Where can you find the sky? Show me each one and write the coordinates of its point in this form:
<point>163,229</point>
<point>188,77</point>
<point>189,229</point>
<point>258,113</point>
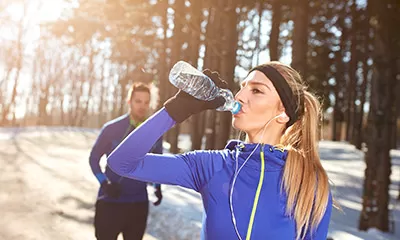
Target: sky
<point>43,10</point>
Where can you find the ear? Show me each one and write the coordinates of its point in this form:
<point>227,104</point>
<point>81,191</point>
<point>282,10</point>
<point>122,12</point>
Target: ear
<point>283,118</point>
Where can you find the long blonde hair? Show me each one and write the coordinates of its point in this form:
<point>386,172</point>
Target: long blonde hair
<point>304,179</point>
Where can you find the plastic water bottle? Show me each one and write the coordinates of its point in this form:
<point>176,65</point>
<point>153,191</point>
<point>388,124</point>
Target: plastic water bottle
<point>190,80</point>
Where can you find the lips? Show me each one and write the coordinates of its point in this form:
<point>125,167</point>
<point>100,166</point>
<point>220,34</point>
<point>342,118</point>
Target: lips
<point>239,113</point>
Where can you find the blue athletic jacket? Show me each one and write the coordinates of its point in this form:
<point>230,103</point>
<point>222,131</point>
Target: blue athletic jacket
<point>112,133</point>
<point>210,173</point>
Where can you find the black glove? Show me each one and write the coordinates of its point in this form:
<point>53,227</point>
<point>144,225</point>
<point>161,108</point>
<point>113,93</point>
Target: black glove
<point>111,189</point>
<point>182,105</point>
<point>158,194</point>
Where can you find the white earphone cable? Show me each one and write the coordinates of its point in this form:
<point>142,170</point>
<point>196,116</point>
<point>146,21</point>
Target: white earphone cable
<point>237,171</point>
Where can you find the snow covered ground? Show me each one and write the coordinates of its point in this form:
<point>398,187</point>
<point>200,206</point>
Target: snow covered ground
<point>48,190</point>
<point>345,167</point>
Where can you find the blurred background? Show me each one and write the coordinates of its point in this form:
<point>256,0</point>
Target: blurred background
<point>71,62</point>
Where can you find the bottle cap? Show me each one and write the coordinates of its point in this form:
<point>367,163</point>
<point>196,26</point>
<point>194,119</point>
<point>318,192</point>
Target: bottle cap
<point>236,107</point>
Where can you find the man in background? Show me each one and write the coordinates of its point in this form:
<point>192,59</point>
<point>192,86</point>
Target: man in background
<point>122,203</point>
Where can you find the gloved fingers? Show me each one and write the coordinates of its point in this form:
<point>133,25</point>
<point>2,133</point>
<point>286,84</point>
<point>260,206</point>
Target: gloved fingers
<point>156,203</point>
<point>207,72</point>
<point>216,78</point>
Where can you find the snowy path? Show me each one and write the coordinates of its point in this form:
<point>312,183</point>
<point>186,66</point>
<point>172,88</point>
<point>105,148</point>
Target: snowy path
<point>345,167</point>
<point>48,191</point>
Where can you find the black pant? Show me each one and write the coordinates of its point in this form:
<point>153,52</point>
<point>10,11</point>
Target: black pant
<point>112,218</point>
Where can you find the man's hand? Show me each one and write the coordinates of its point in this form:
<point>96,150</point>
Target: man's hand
<point>111,189</point>
<point>158,194</point>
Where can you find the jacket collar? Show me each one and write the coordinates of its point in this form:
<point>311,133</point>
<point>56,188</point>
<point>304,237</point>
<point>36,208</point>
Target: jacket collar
<point>274,157</point>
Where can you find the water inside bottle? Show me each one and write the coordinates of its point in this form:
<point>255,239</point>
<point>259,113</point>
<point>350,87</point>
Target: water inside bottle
<point>197,84</point>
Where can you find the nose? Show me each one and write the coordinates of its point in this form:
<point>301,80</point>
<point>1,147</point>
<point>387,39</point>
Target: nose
<point>240,96</point>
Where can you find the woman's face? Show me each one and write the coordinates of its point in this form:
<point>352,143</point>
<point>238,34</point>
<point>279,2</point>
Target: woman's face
<point>260,103</point>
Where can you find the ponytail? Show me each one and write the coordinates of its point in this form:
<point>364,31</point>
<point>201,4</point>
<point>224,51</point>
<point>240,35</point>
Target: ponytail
<point>304,179</point>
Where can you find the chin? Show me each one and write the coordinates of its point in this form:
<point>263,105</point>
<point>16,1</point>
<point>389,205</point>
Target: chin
<point>237,124</point>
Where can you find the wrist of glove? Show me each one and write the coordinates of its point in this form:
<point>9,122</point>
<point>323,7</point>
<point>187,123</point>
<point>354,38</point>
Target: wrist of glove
<point>182,105</point>
<point>111,189</point>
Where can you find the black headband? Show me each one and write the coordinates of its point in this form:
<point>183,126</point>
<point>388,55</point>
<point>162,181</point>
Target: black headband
<point>285,92</point>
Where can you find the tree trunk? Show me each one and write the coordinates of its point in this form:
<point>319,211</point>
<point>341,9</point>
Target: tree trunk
<point>103,97</point>
<point>4,104</point>
<point>359,120</point>
<point>358,136</point>
<point>91,80</point>
<point>18,67</point>
<point>163,62</point>
<point>123,82</point>
<point>196,10</point>
<point>395,74</point>
<point>212,60</point>
<point>259,35</point>
<point>338,109</point>
<point>78,99</point>
<point>228,64</point>
<point>352,84</point>
<point>44,88</point>
<point>300,37</point>
<point>197,130</point>
<point>275,30</point>
<point>176,55</point>
<point>210,130</point>
<point>375,213</point>
<point>70,102</point>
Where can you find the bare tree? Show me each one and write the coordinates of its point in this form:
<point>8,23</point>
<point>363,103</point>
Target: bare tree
<point>196,18</point>
<point>275,30</point>
<point>375,212</point>
<point>300,36</point>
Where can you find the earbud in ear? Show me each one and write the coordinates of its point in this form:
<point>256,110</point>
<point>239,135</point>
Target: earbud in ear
<point>283,117</point>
